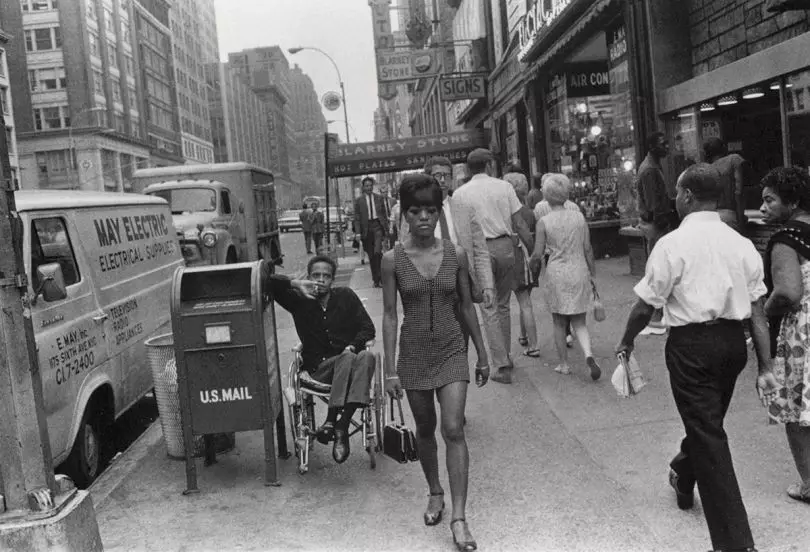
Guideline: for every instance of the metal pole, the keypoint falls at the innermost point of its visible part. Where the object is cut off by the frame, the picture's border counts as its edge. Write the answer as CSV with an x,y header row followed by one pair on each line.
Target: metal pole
x,y
345,112
26,469
326,183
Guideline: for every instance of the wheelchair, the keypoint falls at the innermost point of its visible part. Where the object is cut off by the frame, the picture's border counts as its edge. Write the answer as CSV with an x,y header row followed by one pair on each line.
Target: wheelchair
x,y
368,421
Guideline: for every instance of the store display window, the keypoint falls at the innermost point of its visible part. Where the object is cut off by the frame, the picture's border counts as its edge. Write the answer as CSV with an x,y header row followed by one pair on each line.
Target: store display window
x,y
749,121
590,127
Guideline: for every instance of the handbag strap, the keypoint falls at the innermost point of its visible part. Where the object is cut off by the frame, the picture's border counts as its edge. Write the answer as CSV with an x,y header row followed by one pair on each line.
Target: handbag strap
x,y
399,407
593,288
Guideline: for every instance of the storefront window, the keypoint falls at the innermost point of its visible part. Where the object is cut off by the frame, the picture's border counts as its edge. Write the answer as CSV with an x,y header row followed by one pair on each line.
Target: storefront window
x,y
797,99
684,146
588,107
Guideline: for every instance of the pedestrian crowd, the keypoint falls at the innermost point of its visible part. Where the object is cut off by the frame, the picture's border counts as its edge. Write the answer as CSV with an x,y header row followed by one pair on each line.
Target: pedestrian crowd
x,y
439,251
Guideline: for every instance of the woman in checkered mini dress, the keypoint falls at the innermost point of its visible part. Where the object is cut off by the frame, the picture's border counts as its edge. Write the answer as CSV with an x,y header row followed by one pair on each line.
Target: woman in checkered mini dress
x,y
432,279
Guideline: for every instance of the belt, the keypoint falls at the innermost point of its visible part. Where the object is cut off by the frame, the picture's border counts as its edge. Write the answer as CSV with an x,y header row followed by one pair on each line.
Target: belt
x,y
710,324
499,237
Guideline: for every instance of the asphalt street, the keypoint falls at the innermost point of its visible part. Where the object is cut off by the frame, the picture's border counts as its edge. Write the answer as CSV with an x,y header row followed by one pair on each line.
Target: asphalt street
x,y
558,463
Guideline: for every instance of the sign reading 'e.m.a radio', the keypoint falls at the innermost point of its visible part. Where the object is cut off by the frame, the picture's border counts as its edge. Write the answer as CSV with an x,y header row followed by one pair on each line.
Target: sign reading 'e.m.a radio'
x,y
462,87
403,154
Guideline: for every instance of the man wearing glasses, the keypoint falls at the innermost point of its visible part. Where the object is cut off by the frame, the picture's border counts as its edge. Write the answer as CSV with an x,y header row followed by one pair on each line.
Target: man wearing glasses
x,y
459,224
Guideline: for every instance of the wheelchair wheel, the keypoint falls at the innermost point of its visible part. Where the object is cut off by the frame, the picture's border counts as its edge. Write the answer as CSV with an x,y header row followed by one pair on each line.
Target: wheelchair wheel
x,y
379,403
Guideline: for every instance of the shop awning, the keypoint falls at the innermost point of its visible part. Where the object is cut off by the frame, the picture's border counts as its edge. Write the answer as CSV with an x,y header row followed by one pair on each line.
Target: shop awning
x,y
599,7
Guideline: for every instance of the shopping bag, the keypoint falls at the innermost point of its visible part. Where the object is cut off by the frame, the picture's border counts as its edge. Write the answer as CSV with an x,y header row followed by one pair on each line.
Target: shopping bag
x,y
399,442
598,308
628,378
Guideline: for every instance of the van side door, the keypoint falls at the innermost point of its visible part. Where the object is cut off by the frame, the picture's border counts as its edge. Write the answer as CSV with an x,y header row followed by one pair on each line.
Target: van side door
x,y
70,333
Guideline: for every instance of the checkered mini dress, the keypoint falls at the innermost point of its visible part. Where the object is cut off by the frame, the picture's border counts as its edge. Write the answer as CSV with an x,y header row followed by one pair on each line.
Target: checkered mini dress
x,y
432,349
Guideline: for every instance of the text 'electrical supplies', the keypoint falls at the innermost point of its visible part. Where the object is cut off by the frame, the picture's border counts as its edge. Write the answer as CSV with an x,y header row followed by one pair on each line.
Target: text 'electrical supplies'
x,y
133,231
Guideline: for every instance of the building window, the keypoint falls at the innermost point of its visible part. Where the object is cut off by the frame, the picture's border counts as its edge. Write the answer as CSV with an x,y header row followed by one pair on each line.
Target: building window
x,y
98,83
53,167
116,90
2,63
132,96
109,168
47,118
38,5
92,39
136,127
119,121
4,100
125,32
10,140
108,20
129,65
37,40
91,9
112,55
43,80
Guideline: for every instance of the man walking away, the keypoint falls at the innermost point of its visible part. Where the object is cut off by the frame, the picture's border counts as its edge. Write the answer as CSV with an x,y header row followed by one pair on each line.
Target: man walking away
x,y
656,211
370,215
318,226
306,227
497,207
731,167
708,279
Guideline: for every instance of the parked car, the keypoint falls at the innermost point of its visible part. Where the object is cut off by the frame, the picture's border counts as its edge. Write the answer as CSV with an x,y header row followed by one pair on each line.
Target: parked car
x,y
290,220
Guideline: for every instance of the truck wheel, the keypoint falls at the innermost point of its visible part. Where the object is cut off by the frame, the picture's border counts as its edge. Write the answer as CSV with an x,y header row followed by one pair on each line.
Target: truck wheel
x,y
231,257
84,463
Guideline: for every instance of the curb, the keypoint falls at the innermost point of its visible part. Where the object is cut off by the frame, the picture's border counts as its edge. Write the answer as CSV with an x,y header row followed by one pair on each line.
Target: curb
x,y
124,464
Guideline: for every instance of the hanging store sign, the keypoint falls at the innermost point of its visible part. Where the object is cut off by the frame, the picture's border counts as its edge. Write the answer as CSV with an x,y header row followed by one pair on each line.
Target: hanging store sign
x,y
403,154
407,65
587,79
536,21
462,87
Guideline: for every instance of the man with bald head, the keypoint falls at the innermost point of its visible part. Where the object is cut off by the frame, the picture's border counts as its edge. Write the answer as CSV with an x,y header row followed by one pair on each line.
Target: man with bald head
x,y
497,207
708,279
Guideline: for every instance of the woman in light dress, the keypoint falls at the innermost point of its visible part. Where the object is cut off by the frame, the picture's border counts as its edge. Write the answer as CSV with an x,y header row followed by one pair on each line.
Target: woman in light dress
x,y
568,274
786,201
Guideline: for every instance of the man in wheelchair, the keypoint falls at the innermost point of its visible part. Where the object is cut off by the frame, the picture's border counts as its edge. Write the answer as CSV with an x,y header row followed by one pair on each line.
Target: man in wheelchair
x,y
333,327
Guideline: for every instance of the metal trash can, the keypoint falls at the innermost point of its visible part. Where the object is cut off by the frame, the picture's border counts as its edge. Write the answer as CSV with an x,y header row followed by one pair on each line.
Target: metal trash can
x,y
160,352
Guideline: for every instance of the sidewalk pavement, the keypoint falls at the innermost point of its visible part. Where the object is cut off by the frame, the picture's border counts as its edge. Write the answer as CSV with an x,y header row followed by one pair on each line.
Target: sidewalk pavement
x,y
557,463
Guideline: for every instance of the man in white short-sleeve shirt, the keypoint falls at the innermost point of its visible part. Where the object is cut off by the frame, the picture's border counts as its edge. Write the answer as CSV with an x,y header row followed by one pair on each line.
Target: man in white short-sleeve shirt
x,y
708,279
497,208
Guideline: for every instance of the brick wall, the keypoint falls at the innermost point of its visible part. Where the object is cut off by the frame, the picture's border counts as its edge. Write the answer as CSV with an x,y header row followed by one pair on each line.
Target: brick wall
x,y
723,31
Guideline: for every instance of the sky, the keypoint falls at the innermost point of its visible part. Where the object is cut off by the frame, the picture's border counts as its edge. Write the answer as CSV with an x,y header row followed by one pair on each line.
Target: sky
x,y
342,28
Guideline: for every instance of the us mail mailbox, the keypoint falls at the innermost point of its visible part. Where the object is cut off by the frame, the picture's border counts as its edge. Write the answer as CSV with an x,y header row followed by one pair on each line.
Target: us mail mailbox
x,y
227,359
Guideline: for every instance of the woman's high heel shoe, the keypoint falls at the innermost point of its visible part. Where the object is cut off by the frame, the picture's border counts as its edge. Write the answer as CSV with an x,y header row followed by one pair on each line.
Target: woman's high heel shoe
x,y
433,517
466,545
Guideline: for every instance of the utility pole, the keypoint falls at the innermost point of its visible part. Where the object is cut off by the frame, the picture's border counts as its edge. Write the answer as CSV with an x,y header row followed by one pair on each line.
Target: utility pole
x,y
30,497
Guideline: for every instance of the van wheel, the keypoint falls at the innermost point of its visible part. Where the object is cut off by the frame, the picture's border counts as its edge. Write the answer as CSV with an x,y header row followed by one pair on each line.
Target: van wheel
x,y
231,257
84,463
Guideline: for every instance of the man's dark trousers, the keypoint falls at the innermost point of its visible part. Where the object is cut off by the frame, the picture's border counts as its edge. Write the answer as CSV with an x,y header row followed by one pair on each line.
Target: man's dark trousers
x,y
704,362
372,243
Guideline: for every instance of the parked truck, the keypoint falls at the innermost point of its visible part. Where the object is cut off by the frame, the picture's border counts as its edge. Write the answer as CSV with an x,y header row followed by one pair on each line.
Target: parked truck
x,y
223,212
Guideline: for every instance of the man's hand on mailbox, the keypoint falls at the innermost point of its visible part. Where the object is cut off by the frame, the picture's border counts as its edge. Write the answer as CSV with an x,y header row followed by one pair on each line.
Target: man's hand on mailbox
x,y
307,288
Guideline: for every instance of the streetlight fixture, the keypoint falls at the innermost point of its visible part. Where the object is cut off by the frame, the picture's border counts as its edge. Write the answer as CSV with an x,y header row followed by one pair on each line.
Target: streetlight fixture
x,y
297,49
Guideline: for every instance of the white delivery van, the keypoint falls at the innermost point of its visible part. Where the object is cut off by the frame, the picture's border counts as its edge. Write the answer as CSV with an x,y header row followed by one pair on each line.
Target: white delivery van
x,y
116,254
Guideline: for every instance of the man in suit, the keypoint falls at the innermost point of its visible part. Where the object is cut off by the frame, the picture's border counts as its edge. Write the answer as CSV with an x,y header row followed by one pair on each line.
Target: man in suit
x,y
306,227
459,224
371,219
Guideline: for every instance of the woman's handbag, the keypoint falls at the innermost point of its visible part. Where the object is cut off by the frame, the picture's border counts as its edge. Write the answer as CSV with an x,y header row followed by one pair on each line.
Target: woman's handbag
x,y
399,442
598,308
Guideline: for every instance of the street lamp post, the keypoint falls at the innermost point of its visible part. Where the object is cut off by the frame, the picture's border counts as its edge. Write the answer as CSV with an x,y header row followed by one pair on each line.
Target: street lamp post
x,y
71,145
340,78
294,51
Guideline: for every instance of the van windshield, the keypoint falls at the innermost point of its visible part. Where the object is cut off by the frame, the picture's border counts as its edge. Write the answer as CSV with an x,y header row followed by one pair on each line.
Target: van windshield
x,y
189,200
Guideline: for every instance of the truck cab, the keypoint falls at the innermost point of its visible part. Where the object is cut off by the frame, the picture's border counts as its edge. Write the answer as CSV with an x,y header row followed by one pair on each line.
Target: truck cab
x,y
206,218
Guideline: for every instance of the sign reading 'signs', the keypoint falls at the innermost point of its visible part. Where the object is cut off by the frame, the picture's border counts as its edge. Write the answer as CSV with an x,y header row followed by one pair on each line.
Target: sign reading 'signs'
x,y
402,155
